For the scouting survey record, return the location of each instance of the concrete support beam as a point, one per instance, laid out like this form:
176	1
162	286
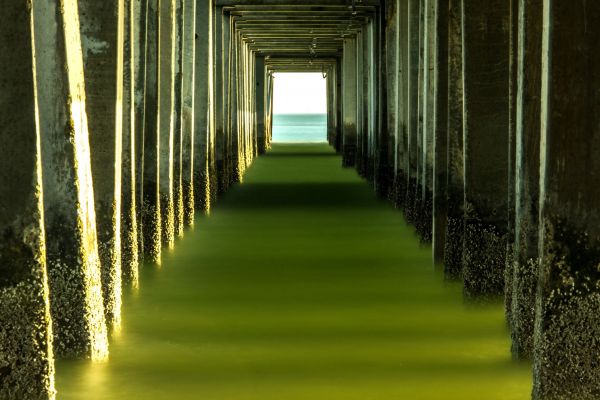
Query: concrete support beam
26	355
102	36
261	137
350	106
440	134
129	156
567	324
485	73
429	39
202	102
412	102
167	48
77	308
138	65
523	280
150	213
188	109
177	180
453	251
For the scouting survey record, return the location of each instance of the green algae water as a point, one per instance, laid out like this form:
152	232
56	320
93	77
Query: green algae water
301	285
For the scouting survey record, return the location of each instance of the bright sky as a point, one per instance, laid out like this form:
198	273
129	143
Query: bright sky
300	93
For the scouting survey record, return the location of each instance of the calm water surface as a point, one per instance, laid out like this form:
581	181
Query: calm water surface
300	128
301	285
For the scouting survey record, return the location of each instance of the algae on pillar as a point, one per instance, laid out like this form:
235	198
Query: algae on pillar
76	301
102	37
485	73
26	355
566	355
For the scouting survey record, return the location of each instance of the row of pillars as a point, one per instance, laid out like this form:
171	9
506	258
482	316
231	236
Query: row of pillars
120	120
487	138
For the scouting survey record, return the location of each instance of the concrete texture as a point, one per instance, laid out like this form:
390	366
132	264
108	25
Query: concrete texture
151	219
74	271
453	252
167	48
527	168
102	37
26	353
567	322
485	72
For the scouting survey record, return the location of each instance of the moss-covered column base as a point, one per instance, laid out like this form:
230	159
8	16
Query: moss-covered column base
484	260
566	362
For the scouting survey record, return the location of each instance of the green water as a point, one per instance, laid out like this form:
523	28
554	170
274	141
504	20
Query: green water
301	285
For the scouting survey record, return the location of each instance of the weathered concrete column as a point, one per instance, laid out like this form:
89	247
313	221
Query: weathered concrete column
425	216
260	105
138	68
392	89
402	159
485	72
151	220
412	105
526	219
202	186
187	110
350	106
166	117
102	37
26	359
150	213
440	139
453	251
331	122
77	308
567	328
512	127
177	180
133	76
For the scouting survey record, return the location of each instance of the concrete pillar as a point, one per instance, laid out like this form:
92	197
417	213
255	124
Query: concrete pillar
260	104
188	115
129	190
102	37
77	308
166	117
233	73
350	106
392	89
26	359
523	280
512	101
361	100
402	159
202	101
138	65
485	130
412	102
425	221
453	251
150	213
567	327
440	134
178	218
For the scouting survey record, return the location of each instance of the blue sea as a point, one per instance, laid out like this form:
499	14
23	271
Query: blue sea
300	128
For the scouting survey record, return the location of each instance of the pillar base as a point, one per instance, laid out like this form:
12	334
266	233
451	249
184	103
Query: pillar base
424	215
484	260
566	364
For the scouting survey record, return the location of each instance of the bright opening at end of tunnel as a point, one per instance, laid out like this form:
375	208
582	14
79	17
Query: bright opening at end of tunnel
300	108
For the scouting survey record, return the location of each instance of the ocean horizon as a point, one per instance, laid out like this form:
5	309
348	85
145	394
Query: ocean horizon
300	128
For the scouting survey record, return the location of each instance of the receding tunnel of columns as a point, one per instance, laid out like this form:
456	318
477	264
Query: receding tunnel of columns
123	120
